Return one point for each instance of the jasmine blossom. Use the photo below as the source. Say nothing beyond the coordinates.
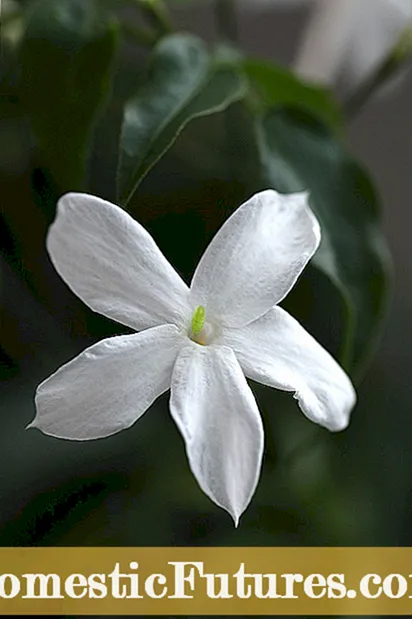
(201, 342)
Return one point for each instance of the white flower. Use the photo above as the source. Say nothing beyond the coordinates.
(351, 38)
(200, 342)
(8, 7)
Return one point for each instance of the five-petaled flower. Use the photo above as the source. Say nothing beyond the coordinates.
(201, 342)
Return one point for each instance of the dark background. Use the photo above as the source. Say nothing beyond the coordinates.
(136, 488)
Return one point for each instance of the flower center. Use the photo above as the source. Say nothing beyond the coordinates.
(201, 332)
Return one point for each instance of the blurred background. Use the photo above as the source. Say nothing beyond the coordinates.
(59, 131)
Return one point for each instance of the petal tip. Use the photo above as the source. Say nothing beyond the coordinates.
(338, 425)
(73, 195)
(233, 513)
(64, 201)
(342, 421)
(68, 200)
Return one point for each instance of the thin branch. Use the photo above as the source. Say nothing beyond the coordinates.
(157, 12)
(225, 11)
(146, 38)
(387, 69)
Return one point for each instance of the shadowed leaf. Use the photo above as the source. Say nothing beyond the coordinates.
(186, 82)
(298, 153)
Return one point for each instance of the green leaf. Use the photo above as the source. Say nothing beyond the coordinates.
(272, 86)
(66, 57)
(298, 153)
(186, 82)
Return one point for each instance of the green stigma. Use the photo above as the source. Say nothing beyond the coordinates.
(198, 319)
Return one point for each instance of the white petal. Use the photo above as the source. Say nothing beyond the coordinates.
(112, 263)
(255, 258)
(277, 351)
(217, 415)
(108, 386)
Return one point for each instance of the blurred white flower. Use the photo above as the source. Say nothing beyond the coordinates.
(200, 342)
(351, 38)
(11, 24)
(254, 4)
(8, 7)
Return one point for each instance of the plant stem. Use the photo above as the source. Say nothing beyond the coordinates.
(144, 37)
(400, 53)
(158, 14)
(356, 101)
(225, 11)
